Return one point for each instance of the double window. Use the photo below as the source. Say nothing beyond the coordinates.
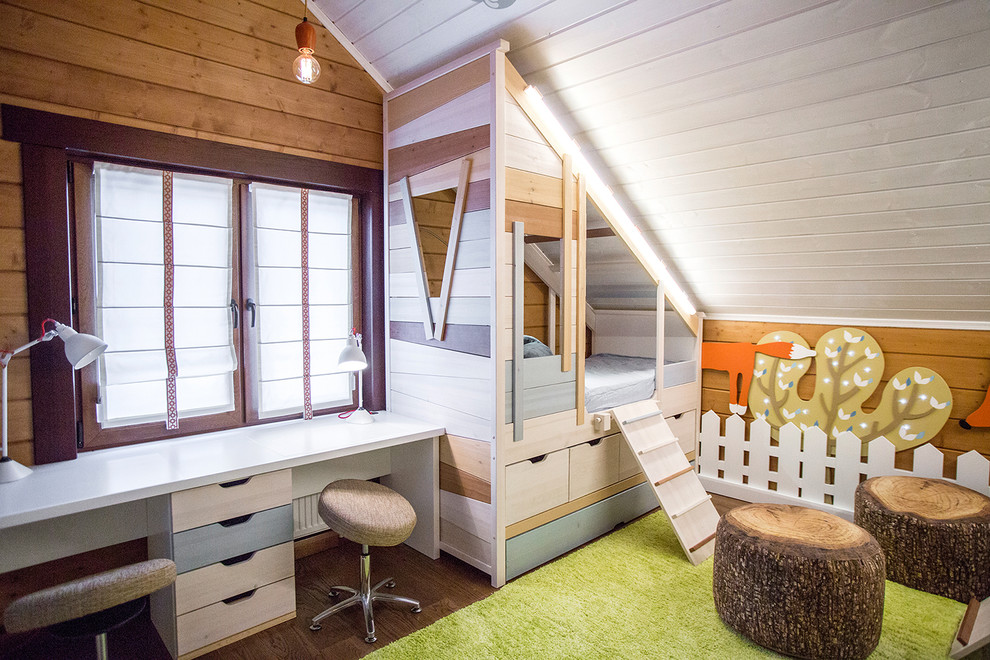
(223, 301)
(273, 258)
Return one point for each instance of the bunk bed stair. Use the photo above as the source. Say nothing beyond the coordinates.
(674, 482)
(974, 630)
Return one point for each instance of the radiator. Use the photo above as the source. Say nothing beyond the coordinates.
(306, 517)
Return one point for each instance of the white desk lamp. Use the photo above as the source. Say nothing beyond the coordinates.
(352, 358)
(80, 350)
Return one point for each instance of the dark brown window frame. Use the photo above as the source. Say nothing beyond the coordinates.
(49, 142)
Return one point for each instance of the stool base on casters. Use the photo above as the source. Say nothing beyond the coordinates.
(365, 596)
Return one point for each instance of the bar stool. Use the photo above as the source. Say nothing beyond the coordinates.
(91, 606)
(369, 514)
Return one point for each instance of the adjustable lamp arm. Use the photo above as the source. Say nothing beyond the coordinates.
(6, 355)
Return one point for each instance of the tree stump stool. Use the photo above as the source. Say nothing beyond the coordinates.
(935, 534)
(799, 581)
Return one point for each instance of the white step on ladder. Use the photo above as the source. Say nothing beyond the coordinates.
(675, 482)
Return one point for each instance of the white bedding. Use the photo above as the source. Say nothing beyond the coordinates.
(613, 380)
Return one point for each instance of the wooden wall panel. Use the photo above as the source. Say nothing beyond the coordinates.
(467, 111)
(428, 97)
(432, 128)
(201, 68)
(421, 156)
(961, 357)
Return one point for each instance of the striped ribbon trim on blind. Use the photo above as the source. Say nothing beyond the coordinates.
(172, 404)
(307, 364)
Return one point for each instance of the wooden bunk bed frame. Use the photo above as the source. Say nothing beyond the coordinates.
(525, 473)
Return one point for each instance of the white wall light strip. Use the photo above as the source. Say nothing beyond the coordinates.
(604, 194)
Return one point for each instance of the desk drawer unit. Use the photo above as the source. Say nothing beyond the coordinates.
(208, 625)
(209, 504)
(228, 578)
(201, 546)
(232, 547)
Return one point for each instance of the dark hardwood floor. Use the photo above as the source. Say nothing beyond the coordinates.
(442, 586)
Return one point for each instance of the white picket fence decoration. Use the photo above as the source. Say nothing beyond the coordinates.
(801, 468)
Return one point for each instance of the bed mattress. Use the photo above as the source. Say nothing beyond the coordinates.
(614, 380)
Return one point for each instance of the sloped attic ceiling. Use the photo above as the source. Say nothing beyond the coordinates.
(792, 159)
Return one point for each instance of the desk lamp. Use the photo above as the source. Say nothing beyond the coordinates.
(352, 358)
(80, 350)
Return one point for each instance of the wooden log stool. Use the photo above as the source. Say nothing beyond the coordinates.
(935, 534)
(799, 581)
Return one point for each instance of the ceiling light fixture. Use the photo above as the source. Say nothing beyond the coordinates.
(306, 68)
(496, 4)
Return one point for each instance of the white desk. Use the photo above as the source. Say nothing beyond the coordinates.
(100, 498)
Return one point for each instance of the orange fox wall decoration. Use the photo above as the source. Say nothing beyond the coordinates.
(737, 359)
(979, 417)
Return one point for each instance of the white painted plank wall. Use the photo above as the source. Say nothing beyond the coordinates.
(775, 151)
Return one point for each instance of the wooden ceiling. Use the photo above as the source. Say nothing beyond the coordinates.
(794, 159)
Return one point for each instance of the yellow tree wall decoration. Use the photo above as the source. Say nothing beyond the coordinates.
(849, 366)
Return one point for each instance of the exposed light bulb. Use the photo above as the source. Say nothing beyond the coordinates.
(306, 68)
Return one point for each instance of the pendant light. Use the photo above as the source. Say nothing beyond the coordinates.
(306, 68)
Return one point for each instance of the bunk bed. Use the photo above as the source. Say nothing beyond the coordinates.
(527, 471)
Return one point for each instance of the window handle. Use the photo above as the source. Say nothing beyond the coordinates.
(251, 307)
(234, 312)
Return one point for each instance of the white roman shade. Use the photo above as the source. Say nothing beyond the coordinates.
(163, 289)
(303, 285)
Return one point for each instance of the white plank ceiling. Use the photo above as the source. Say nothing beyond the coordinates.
(791, 159)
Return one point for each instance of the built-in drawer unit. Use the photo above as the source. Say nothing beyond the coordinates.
(231, 577)
(593, 465)
(684, 426)
(234, 537)
(535, 485)
(209, 504)
(232, 547)
(208, 625)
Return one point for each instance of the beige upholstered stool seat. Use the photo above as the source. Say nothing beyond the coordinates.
(369, 514)
(83, 601)
(366, 512)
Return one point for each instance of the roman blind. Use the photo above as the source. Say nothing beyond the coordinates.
(163, 283)
(303, 284)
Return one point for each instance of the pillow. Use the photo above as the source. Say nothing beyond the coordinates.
(533, 347)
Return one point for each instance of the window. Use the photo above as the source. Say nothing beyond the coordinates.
(162, 277)
(303, 282)
(53, 144)
(161, 256)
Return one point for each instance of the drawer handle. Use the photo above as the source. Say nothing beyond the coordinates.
(230, 522)
(538, 459)
(238, 559)
(678, 415)
(234, 599)
(235, 482)
(595, 442)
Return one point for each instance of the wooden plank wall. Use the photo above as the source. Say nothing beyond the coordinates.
(533, 196)
(961, 357)
(431, 129)
(202, 68)
(535, 310)
(13, 304)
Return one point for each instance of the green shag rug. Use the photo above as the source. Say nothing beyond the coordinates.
(632, 594)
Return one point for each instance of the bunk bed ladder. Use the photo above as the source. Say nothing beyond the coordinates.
(674, 480)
